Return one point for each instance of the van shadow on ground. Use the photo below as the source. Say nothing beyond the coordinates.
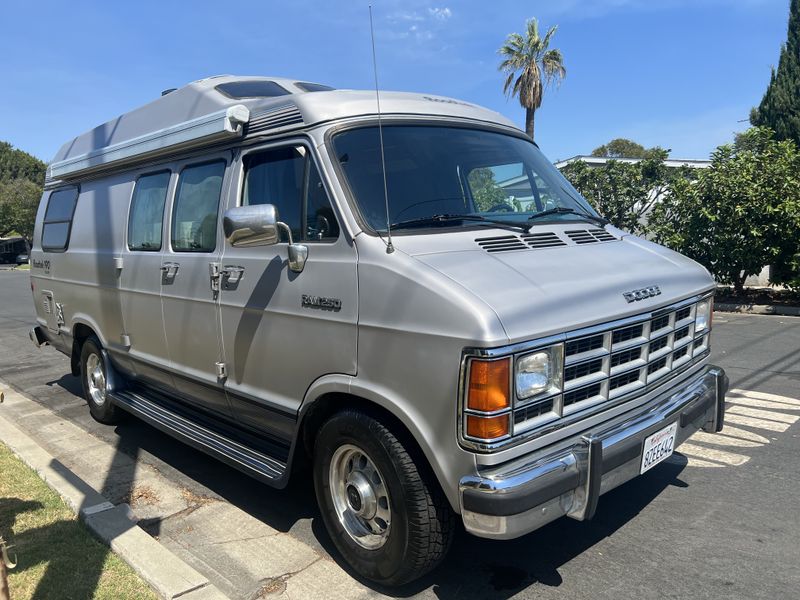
(475, 568)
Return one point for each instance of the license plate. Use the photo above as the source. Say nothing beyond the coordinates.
(658, 447)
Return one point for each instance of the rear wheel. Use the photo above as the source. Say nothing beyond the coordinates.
(388, 519)
(93, 376)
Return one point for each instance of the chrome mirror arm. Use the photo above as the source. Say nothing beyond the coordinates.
(298, 253)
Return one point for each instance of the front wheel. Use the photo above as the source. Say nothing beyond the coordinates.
(390, 522)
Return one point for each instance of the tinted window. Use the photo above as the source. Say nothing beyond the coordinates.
(147, 212)
(194, 215)
(313, 87)
(320, 221)
(58, 219)
(288, 179)
(276, 177)
(251, 89)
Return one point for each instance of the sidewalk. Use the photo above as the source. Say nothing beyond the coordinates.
(185, 546)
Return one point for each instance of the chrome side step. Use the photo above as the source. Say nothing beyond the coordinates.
(252, 462)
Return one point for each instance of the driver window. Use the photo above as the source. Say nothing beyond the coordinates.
(288, 179)
(502, 188)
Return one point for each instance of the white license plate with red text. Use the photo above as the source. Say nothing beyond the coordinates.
(658, 447)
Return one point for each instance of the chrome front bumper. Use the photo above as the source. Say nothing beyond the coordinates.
(524, 495)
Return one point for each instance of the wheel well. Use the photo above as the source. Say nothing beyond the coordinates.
(328, 405)
(79, 334)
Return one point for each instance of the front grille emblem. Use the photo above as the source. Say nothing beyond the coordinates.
(641, 294)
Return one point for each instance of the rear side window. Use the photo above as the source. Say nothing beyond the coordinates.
(194, 214)
(58, 219)
(147, 212)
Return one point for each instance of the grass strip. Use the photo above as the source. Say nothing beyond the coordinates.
(57, 557)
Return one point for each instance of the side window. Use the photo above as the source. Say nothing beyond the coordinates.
(147, 212)
(58, 219)
(194, 214)
(321, 223)
(289, 179)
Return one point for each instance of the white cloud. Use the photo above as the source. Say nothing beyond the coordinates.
(419, 25)
(442, 14)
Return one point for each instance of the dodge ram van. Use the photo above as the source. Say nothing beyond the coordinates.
(414, 302)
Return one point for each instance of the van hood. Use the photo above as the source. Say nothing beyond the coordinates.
(542, 291)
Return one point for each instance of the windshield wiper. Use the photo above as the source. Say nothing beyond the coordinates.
(564, 210)
(437, 219)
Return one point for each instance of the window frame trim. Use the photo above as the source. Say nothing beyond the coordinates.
(293, 143)
(45, 222)
(163, 210)
(173, 207)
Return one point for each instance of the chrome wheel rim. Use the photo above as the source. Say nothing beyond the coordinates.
(96, 379)
(360, 497)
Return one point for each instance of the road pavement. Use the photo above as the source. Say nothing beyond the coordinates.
(720, 519)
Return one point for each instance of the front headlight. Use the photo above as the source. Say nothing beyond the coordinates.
(539, 372)
(702, 319)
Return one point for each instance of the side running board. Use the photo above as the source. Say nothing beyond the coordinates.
(256, 464)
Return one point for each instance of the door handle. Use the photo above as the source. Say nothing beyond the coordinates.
(170, 269)
(232, 274)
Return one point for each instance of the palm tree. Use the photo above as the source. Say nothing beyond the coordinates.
(526, 58)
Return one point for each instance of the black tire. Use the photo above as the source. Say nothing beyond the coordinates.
(101, 408)
(422, 522)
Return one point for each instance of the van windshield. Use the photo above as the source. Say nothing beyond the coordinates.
(437, 174)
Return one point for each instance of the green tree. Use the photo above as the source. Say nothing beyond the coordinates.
(780, 106)
(19, 201)
(16, 164)
(742, 213)
(623, 148)
(485, 190)
(21, 179)
(625, 192)
(530, 66)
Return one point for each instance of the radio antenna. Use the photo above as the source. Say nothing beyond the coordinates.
(389, 245)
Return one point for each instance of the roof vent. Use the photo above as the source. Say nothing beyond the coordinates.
(589, 236)
(276, 117)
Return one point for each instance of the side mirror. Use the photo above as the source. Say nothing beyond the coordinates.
(255, 225)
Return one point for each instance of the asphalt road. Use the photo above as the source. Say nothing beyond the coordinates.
(720, 519)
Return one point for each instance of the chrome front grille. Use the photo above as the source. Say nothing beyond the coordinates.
(613, 362)
(598, 368)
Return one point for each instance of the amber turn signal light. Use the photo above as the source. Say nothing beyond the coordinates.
(487, 428)
(488, 388)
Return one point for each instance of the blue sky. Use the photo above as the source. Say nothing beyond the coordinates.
(674, 73)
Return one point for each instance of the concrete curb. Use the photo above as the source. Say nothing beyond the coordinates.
(167, 574)
(759, 309)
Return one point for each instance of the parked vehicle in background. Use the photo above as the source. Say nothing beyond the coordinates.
(11, 248)
(22, 259)
(235, 264)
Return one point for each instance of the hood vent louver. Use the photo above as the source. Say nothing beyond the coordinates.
(589, 236)
(545, 239)
(528, 241)
(501, 243)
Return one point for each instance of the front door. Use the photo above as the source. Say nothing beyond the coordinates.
(277, 335)
(188, 297)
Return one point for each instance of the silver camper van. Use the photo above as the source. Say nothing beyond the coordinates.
(414, 300)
